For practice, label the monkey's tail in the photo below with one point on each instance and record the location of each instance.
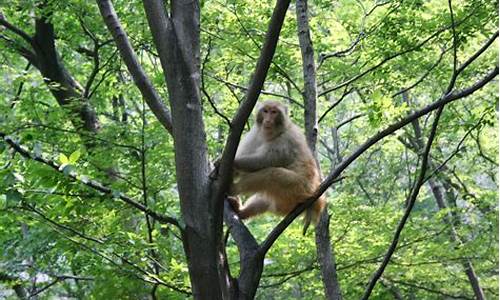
(313, 213)
(309, 215)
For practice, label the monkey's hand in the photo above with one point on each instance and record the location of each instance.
(235, 203)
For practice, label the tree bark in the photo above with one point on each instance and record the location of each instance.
(309, 72)
(177, 40)
(448, 219)
(129, 57)
(326, 258)
(68, 92)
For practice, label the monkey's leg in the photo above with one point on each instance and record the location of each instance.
(270, 180)
(255, 205)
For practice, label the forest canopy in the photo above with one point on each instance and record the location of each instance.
(120, 120)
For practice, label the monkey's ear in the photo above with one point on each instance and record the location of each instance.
(285, 109)
(258, 114)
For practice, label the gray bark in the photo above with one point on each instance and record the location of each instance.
(309, 73)
(326, 257)
(177, 41)
(128, 55)
(68, 93)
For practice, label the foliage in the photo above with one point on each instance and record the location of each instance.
(52, 226)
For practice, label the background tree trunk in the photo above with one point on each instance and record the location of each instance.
(325, 255)
(449, 219)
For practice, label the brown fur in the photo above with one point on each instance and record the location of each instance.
(275, 167)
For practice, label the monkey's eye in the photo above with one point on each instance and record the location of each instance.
(265, 110)
(273, 112)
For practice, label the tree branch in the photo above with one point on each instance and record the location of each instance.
(457, 149)
(251, 95)
(90, 183)
(204, 89)
(15, 29)
(245, 241)
(427, 72)
(128, 55)
(57, 224)
(448, 98)
(388, 58)
(349, 120)
(411, 202)
(478, 53)
(263, 92)
(430, 290)
(346, 92)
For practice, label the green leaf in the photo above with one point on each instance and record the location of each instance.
(13, 197)
(73, 158)
(63, 159)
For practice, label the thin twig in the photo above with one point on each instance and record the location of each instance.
(410, 203)
(90, 183)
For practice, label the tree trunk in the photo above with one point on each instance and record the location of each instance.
(68, 93)
(177, 39)
(309, 72)
(467, 264)
(326, 258)
(448, 219)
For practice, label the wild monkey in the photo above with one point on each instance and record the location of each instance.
(275, 166)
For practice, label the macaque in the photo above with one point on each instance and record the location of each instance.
(275, 167)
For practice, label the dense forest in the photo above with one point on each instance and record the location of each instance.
(120, 121)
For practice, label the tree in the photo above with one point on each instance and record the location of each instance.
(134, 188)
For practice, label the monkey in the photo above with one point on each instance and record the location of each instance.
(275, 167)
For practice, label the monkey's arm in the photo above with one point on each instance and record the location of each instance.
(250, 163)
(256, 161)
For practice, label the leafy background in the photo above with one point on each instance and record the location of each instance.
(51, 226)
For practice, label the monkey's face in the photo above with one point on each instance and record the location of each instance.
(270, 117)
